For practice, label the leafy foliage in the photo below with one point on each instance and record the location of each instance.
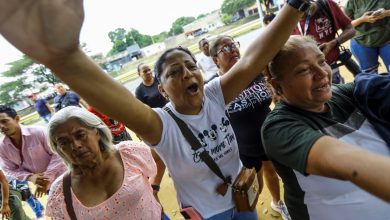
(232, 6)
(177, 26)
(18, 67)
(226, 19)
(12, 92)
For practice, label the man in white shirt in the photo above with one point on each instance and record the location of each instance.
(205, 62)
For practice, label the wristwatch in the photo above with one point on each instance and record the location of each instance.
(300, 5)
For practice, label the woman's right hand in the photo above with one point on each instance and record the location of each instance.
(368, 17)
(46, 30)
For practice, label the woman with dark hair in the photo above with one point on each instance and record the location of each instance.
(201, 107)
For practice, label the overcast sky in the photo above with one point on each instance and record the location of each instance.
(147, 16)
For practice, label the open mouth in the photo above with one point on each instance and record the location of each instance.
(324, 87)
(193, 88)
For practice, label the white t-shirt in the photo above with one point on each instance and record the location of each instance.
(195, 183)
(207, 65)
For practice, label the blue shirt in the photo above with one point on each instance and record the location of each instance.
(42, 109)
(68, 99)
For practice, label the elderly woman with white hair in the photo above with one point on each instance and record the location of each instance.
(105, 181)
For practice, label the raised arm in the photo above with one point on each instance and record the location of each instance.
(260, 52)
(332, 158)
(48, 31)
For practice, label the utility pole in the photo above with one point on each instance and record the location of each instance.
(260, 10)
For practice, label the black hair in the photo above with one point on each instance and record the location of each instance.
(268, 18)
(158, 66)
(139, 67)
(215, 43)
(8, 110)
(201, 41)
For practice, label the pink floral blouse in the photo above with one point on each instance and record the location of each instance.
(133, 200)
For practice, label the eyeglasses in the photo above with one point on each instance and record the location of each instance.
(229, 47)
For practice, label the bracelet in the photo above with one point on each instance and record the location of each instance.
(155, 187)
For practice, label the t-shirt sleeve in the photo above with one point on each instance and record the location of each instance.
(348, 10)
(213, 91)
(139, 157)
(341, 20)
(288, 141)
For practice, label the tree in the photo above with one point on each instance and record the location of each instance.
(43, 74)
(232, 6)
(117, 35)
(226, 19)
(18, 67)
(177, 26)
(12, 92)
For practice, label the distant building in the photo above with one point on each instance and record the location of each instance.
(203, 25)
(153, 49)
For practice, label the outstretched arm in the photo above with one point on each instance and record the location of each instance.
(332, 158)
(260, 52)
(48, 32)
(5, 209)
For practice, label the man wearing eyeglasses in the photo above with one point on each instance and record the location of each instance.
(205, 62)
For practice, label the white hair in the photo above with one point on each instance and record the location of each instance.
(84, 117)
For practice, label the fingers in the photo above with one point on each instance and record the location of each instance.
(39, 192)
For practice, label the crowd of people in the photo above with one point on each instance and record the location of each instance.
(328, 140)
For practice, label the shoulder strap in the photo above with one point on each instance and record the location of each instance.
(66, 184)
(195, 145)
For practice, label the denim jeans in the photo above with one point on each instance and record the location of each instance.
(46, 118)
(368, 56)
(232, 214)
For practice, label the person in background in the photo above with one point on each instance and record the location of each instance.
(106, 182)
(205, 61)
(268, 18)
(118, 129)
(323, 147)
(371, 20)
(246, 114)
(66, 98)
(11, 205)
(147, 92)
(43, 108)
(25, 154)
(55, 43)
(323, 26)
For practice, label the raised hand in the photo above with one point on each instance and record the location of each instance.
(45, 30)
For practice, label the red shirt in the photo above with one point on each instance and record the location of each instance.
(322, 29)
(115, 127)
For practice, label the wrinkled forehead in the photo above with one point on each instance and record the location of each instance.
(69, 125)
(224, 41)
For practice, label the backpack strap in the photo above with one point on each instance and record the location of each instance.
(66, 184)
(195, 145)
